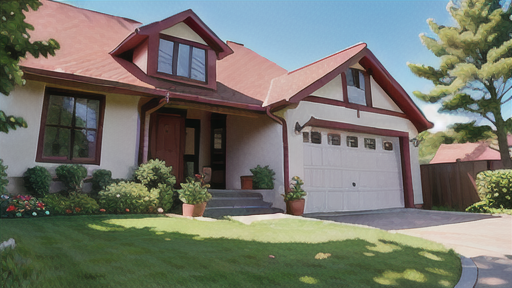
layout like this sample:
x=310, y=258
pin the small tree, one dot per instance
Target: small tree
x=15, y=44
x=475, y=74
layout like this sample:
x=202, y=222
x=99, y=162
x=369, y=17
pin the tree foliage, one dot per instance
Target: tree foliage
x=475, y=72
x=14, y=45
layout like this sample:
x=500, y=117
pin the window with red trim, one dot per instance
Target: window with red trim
x=71, y=127
x=356, y=86
x=182, y=60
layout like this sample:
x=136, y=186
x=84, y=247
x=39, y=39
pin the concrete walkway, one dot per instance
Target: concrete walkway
x=486, y=239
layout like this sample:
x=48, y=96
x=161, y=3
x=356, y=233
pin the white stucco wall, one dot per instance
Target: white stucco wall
x=181, y=30
x=251, y=142
x=305, y=110
x=119, y=143
x=380, y=98
x=331, y=90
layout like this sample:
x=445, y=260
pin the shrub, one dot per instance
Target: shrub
x=75, y=203
x=72, y=176
x=101, y=178
x=154, y=172
x=3, y=178
x=194, y=191
x=495, y=187
x=263, y=177
x=37, y=181
x=479, y=207
x=21, y=206
x=16, y=271
x=155, y=175
x=128, y=197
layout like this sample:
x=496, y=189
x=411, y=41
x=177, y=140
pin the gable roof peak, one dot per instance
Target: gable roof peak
x=360, y=45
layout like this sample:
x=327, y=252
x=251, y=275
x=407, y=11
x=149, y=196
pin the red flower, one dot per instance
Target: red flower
x=127, y=210
x=102, y=210
x=40, y=205
x=77, y=209
x=11, y=208
x=68, y=211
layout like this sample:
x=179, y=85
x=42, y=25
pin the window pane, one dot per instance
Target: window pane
x=361, y=80
x=60, y=110
x=184, y=61
x=93, y=110
x=81, y=112
x=165, y=54
x=352, y=141
x=316, y=137
x=350, y=77
x=369, y=143
x=56, y=142
x=85, y=144
x=198, y=64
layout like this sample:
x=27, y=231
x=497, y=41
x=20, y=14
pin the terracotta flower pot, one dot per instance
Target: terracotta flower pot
x=196, y=210
x=296, y=207
x=246, y=182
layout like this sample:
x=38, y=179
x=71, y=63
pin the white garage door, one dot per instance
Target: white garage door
x=346, y=171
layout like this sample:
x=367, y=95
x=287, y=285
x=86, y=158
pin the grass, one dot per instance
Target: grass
x=157, y=251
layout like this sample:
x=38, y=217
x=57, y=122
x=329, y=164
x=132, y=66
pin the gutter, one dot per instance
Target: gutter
x=286, y=163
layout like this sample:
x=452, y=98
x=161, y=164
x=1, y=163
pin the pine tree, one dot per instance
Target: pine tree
x=476, y=65
x=14, y=45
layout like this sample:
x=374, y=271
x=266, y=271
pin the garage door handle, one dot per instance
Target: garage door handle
x=354, y=184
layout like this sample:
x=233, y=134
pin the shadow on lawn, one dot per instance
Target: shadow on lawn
x=88, y=252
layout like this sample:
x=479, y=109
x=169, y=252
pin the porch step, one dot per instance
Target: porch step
x=237, y=203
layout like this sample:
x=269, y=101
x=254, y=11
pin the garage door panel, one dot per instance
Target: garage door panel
x=334, y=200
x=316, y=156
x=315, y=201
x=351, y=201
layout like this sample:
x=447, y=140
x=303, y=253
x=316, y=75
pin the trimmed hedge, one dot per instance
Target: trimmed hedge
x=128, y=197
x=37, y=181
x=495, y=187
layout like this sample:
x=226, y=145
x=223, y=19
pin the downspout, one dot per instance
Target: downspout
x=286, y=162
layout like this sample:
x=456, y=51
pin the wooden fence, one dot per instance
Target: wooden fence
x=452, y=184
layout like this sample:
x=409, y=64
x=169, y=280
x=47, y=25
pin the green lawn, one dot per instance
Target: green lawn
x=157, y=251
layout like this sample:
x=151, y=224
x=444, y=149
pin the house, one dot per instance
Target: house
x=118, y=93
x=465, y=152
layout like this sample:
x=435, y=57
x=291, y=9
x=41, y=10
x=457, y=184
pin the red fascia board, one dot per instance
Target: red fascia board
x=196, y=24
x=107, y=86
x=392, y=87
x=129, y=43
x=313, y=122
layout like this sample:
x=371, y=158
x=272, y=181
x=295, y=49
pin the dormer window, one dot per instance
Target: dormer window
x=182, y=60
x=356, y=86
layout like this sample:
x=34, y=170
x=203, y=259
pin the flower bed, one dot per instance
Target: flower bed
x=22, y=206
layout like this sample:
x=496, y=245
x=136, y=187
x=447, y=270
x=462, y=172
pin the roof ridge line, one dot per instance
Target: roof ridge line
x=327, y=57
x=89, y=10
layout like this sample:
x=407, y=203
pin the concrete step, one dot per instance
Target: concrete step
x=221, y=212
x=238, y=202
x=235, y=194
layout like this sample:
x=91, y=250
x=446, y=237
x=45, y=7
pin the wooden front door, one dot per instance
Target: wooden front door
x=168, y=141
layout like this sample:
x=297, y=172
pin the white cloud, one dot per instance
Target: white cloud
x=442, y=120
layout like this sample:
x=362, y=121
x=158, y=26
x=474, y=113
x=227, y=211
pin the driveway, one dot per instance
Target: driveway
x=486, y=239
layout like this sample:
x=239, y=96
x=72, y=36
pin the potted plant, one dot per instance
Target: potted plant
x=194, y=195
x=263, y=177
x=295, y=197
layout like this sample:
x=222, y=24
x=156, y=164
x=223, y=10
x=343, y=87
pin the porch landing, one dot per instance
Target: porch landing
x=237, y=203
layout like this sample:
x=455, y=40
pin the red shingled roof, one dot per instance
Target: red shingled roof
x=449, y=153
x=247, y=72
x=289, y=85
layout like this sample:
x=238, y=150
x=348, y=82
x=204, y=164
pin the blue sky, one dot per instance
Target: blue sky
x=296, y=33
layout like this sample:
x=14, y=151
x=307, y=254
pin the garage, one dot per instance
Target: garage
x=348, y=171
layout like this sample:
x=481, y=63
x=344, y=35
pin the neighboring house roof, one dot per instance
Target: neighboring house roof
x=449, y=153
x=245, y=79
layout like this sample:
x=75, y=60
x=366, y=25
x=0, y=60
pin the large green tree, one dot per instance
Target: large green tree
x=476, y=65
x=14, y=45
